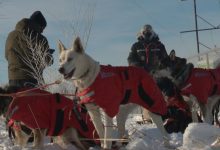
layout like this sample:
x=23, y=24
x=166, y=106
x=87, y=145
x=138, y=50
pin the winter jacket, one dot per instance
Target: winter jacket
x=48, y=111
x=147, y=55
x=120, y=85
x=202, y=83
x=19, y=55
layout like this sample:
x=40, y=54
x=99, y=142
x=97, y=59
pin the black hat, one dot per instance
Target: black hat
x=38, y=17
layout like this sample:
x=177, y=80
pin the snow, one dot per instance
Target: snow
x=198, y=136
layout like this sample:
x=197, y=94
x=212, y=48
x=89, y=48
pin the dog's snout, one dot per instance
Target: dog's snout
x=61, y=70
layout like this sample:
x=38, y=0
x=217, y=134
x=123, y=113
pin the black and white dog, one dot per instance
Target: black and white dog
x=199, y=87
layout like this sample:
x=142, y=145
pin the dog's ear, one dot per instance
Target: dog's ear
x=61, y=47
x=77, y=45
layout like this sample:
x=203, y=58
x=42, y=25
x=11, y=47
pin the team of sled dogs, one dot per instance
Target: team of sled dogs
x=84, y=71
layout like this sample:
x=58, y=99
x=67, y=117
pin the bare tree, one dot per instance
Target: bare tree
x=81, y=23
x=36, y=57
x=36, y=60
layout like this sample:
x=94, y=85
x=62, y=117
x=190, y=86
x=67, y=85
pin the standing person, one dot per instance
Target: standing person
x=147, y=52
x=27, y=52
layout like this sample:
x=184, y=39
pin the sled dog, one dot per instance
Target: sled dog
x=107, y=87
x=38, y=114
x=200, y=89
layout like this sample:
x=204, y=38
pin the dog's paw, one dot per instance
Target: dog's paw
x=37, y=148
x=168, y=145
x=144, y=121
x=95, y=148
x=116, y=145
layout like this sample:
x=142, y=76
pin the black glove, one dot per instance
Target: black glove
x=51, y=51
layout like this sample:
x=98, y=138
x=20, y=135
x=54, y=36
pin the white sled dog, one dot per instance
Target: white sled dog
x=100, y=88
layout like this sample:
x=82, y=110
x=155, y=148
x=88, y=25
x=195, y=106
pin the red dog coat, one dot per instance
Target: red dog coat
x=48, y=111
x=119, y=85
x=202, y=83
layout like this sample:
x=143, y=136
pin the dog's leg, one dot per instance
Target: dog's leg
x=95, y=115
x=39, y=138
x=20, y=138
x=206, y=113
x=146, y=116
x=75, y=138
x=193, y=105
x=108, y=125
x=159, y=123
x=122, y=117
x=208, y=116
x=70, y=135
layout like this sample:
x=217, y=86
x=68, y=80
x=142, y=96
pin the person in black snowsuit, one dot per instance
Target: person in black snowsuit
x=148, y=51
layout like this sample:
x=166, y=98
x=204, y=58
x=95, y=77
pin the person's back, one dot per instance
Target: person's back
x=148, y=51
x=27, y=51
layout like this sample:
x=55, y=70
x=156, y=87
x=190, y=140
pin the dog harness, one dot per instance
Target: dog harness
x=121, y=85
x=53, y=112
x=202, y=83
x=175, y=102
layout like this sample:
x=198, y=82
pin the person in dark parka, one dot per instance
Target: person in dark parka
x=22, y=46
x=148, y=51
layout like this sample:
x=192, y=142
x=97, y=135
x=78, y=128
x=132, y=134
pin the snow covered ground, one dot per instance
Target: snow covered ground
x=142, y=137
